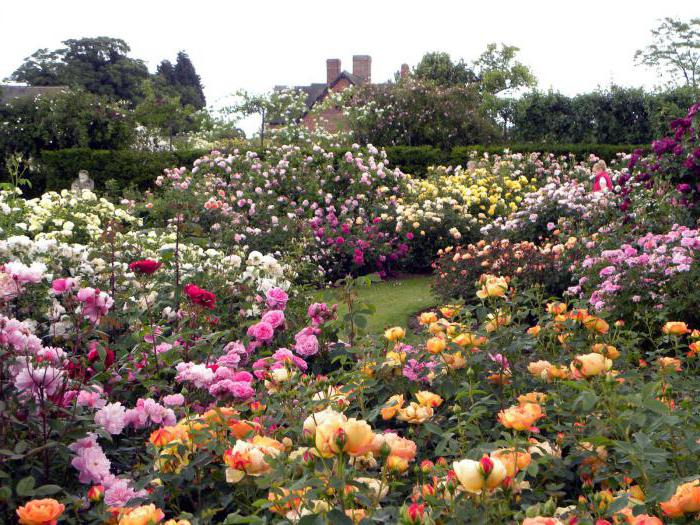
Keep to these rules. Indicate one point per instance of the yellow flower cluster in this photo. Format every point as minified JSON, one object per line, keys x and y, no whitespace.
{"x":475,"y":196}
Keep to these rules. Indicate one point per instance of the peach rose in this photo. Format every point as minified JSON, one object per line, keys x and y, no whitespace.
{"x":40,"y":512}
{"x":556,"y":308}
{"x":319,"y":418}
{"x":520,"y":417}
{"x":589,"y":365}
{"x":669,"y":364}
{"x":353,"y":437}
{"x":541,"y":520}
{"x":249,"y":457}
{"x":415,"y":413}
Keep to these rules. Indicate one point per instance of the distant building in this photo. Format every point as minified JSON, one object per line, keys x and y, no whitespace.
{"x":10,"y":92}
{"x":337,"y":80}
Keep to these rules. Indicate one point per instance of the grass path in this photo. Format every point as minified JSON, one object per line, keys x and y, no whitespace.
{"x":395,"y":300}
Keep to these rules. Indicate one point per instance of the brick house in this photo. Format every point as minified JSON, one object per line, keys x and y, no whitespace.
{"x":336,"y":80}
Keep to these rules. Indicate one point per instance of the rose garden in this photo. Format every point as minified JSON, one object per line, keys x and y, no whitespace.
{"x":223,"y":345}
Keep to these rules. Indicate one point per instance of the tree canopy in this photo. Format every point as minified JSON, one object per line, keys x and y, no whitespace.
{"x":99,"y":65}
{"x":675,"y":50}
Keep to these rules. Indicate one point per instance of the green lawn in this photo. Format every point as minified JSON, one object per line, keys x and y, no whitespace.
{"x":395,"y":300}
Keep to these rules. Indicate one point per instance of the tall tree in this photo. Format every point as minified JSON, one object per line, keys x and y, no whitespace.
{"x":181,"y":80}
{"x":191,"y":91}
{"x":439,"y":68}
{"x":675,"y":50}
{"x":99,"y":65}
{"x":498,"y":71}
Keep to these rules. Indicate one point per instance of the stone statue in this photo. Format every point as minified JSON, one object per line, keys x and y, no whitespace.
{"x":83,"y":182}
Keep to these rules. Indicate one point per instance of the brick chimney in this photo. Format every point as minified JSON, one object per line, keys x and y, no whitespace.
{"x":332,"y":69}
{"x":405,"y":71}
{"x":362,"y":67}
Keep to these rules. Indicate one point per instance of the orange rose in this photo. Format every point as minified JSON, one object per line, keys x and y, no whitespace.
{"x":40,"y":512}
{"x":675,"y":328}
{"x":249,"y":457}
{"x":686,"y":500}
{"x":556,"y":308}
{"x":392,"y":406}
{"x":608,"y":351}
{"x":514,"y":461}
{"x":596,"y":324}
{"x":520,"y":417}
{"x":532,"y":397}
{"x":534,"y":330}
{"x":435,"y":345}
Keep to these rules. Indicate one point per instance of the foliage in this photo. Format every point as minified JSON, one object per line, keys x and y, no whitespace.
{"x":417,"y":112}
{"x":439,"y":68}
{"x":97,"y":65}
{"x":125,"y":168}
{"x":182,"y":80}
{"x":675,"y":50}
{"x":613,"y":116}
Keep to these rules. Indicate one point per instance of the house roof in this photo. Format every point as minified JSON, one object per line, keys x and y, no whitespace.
{"x":317,"y":91}
{"x":9,"y":92}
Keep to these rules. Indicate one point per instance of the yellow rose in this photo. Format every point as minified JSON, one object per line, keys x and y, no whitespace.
{"x":428,"y":399}
{"x":427,"y":318}
{"x":143,"y":515}
{"x":492,"y":286}
{"x":395,"y":334}
{"x":589,"y":365}
{"x":474,"y":476}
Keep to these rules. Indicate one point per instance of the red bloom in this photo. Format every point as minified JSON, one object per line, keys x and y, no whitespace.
{"x":145,"y":266}
{"x":200,"y":296}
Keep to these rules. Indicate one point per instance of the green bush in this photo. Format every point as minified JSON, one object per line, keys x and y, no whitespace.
{"x":57,"y":169}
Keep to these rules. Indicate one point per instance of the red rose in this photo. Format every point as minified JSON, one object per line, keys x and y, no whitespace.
{"x":145,"y":266}
{"x":201,"y":297}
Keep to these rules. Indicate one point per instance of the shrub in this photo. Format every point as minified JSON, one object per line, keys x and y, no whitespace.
{"x":57,"y":169}
{"x":457,"y":269}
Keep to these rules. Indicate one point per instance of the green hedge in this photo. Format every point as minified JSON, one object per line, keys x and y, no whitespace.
{"x":58,"y":169}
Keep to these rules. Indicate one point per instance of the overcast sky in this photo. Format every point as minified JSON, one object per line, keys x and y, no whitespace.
{"x":572,"y":46}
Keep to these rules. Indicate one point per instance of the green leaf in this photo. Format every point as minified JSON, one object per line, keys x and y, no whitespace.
{"x":47,"y":490}
{"x":338,"y":518}
{"x":25,"y":486}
